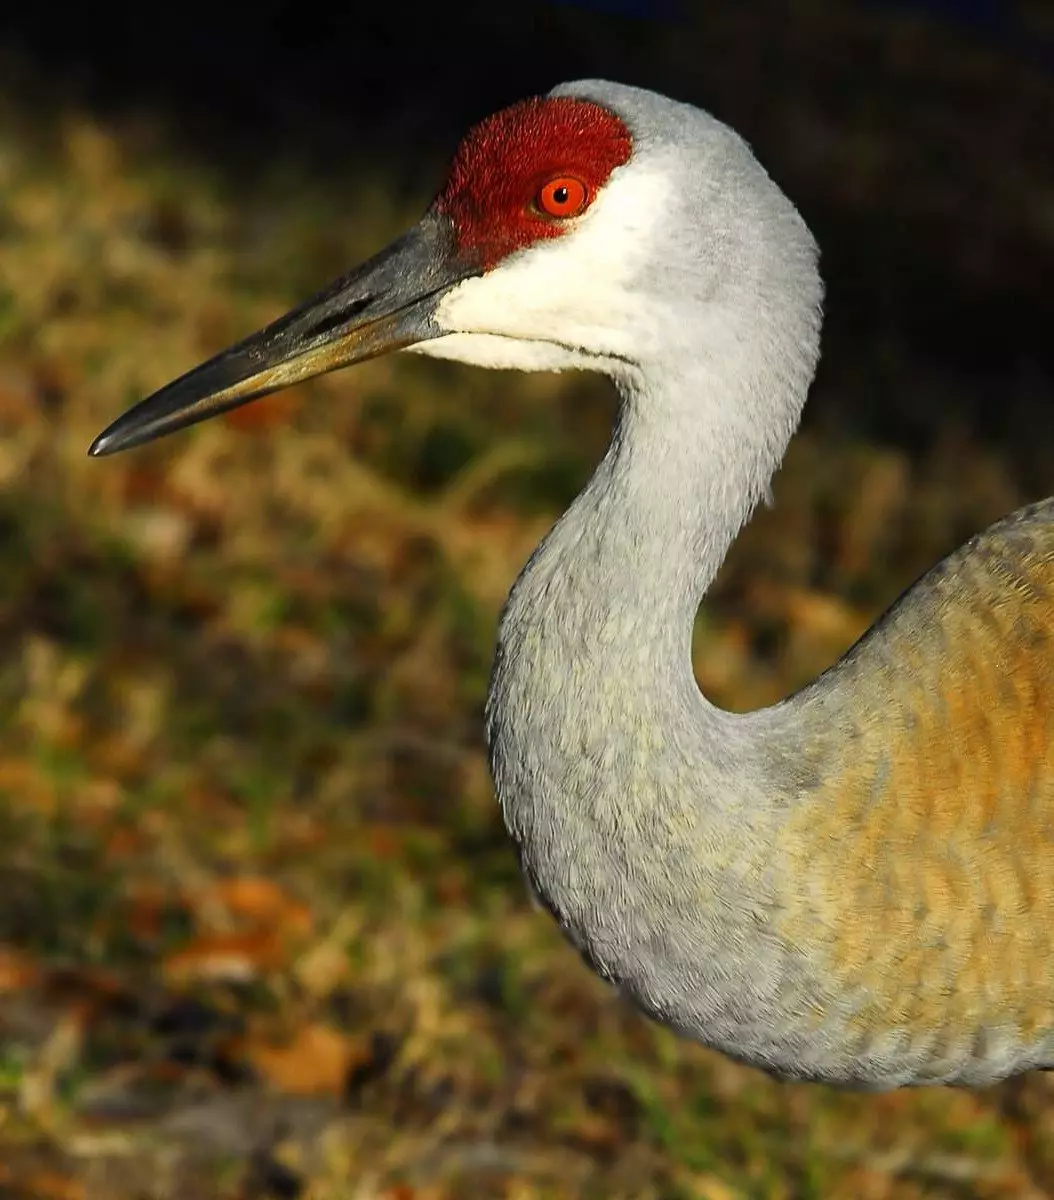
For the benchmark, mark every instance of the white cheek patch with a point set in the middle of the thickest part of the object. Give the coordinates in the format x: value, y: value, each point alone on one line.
x: 575, y: 291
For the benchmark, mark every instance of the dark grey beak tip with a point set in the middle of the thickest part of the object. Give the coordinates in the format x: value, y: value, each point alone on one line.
x: 103, y: 445
x: 118, y: 436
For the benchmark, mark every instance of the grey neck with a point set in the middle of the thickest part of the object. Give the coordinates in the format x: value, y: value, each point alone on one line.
x: 617, y: 582
x: 610, y: 596
x: 629, y: 796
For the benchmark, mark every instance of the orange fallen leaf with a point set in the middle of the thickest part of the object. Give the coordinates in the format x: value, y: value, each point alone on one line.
x: 450, y: 887
x: 142, y: 483
x: 257, y: 900
x: 98, y: 800
x: 207, y: 802
x: 146, y: 901
x: 17, y: 970
x: 385, y: 841
x: 117, y: 755
x: 49, y: 1185
x: 230, y: 957
x: 400, y: 1191
x: 317, y: 1059
x: 125, y: 842
x: 26, y: 785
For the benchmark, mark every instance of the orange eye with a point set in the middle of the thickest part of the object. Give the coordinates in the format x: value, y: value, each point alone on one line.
x: 563, y: 196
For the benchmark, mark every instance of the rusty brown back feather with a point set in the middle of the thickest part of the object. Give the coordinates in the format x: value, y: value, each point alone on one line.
x: 922, y: 859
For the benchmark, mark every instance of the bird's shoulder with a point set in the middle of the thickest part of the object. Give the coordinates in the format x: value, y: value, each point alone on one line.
x: 935, y: 729
x: 980, y: 619
x: 920, y: 851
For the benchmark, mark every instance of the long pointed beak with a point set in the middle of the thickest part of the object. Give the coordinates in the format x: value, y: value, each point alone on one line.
x: 386, y: 304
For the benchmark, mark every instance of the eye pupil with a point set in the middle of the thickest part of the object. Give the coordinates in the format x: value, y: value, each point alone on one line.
x: 562, y: 197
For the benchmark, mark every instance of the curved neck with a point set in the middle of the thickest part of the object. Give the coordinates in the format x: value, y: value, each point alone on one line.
x: 595, y: 724
x: 628, y: 564
x: 628, y: 795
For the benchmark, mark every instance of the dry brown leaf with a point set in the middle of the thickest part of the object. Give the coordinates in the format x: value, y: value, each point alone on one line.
x: 598, y: 1132
x: 142, y: 483
x: 316, y: 1060
x: 231, y: 957
x: 58, y: 1055
x: 709, y: 1187
x: 97, y: 802
x: 866, y: 1183
x: 23, y: 783
x: 257, y: 900
x: 116, y: 755
x: 125, y: 842
x: 400, y: 1191
x: 450, y: 887
x: 145, y: 900
x: 385, y: 841
x: 17, y: 970
x: 44, y: 1185
x: 323, y: 968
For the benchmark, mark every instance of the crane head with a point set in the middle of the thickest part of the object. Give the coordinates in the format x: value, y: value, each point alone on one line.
x: 561, y: 238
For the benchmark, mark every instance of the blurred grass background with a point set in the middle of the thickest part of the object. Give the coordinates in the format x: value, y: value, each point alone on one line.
x: 262, y: 934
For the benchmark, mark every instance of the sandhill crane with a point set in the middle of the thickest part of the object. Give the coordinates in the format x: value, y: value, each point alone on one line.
x: 854, y: 885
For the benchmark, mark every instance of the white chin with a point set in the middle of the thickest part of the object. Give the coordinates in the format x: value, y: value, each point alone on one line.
x: 506, y: 353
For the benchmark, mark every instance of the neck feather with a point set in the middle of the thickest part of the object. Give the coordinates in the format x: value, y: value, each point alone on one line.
x: 627, y: 794
x: 596, y: 636
x: 631, y: 560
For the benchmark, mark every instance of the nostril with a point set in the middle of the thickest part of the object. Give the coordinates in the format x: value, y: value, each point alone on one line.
x: 337, y: 318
